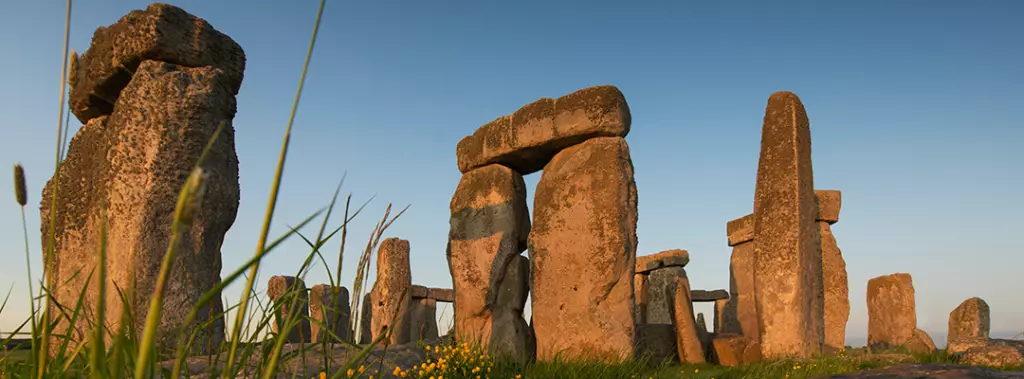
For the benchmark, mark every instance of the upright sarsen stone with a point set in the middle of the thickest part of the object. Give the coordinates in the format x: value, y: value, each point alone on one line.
x: 132, y: 164
x: 787, y: 245
x: 391, y: 294
x: 489, y: 228
x: 329, y: 305
x: 583, y: 251
x: 291, y: 304
x: 740, y: 313
x: 892, y: 315
x: 833, y: 268
x: 970, y: 320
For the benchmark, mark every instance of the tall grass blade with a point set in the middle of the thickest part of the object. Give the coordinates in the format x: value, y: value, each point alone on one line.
x: 98, y: 349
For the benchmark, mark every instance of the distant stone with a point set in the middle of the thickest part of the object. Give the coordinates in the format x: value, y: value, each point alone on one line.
x: 787, y: 245
x: 994, y: 355
x: 446, y: 295
x: 829, y: 203
x: 642, y: 297
x: 667, y: 258
x: 583, y: 251
x: 423, y: 320
x: 366, y: 320
x: 688, y: 342
x: 740, y: 311
x: 133, y: 164
x: 892, y: 317
x: 970, y: 319
x: 920, y: 342
x: 720, y: 312
x: 740, y: 230
x: 329, y: 306
x: 390, y: 293
x: 708, y: 296
x: 661, y: 294
x: 703, y: 335
x: 291, y: 302
x: 529, y: 138
x: 836, y: 283
x: 161, y: 32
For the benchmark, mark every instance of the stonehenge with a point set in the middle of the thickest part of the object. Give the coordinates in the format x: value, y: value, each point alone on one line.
x: 150, y: 91
x: 892, y: 317
x: 291, y: 307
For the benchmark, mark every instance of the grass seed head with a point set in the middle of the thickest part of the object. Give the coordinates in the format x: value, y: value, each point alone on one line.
x: 73, y: 69
x: 191, y: 197
x: 20, y: 192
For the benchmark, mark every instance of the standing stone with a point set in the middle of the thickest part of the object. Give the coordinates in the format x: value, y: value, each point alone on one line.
x: 740, y: 313
x: 511, y: 337
x: 391, y: 292
x: 132, y: 165
x: 720, y: 312
x: 657, y: 333
x: 291, y: 305
x: 688, y: 340
x: 583, y: 250
x: 489, y: 228
x: 423, y: 320
x: 833, y: 267
x: 366, y: 321
x: 641, y: 297
x: 329, y: 306
x: 892, y: 319
x: 787, y: 244
x: 730, y: 349
x: 969, y: 320
x: 161, y: 32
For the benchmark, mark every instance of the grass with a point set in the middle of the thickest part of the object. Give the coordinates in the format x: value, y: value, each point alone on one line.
x: 100, y: 352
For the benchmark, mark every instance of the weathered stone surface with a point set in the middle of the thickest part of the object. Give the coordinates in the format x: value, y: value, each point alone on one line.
x: 330, y: 307
x: 510, y: 337
x: 720, y: 312
x: 423, y: 320
x: 993, y: 356
x: 489, y: 228
x: 703, y: 335
x: 740, y: 315
x: 668, y: 258
x: 787, y: 244
x: 688, y: 343
x: 837, y: 291
x: 932, y: 371
x: 530, y: 137
x: 891, y: 311
x: 160, y: 32
x: 641, y: 298
x: 133, y: 164
x: 418, y: 291
x: 661, y: 294
x: 962, y: 344
x: 657, y: 342
x: 291, y: 302
x: 740, y: 230
x: 583, y: 250
x: 366, y: 320
x: 970, y: 319
x: 730, y: 349
x: 920, y: 342
x: 446, y: 295
x: 829, y: 203
x: 390, y: 294
x: 708, y: 296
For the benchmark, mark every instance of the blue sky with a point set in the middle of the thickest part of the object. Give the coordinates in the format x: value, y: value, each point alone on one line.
x: 914, y: 117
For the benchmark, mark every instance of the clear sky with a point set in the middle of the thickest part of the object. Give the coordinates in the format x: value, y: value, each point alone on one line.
x: 915, y: 117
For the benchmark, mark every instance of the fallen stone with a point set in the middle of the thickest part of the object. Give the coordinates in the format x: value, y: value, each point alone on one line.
x: 133, y: 163
x: 730, y: 349
x: 529, y: 138
x: 160, y: 32
x: 920, y: 342
x: 583, y: 250
x: 891, y: 311
x: 932, y: 371
x: 688, y: 343
x: 668, y: 258
x: 834, y: 279
x: 490, y: 224
x: 829, y: 203
x: 788, y: 266
x: 329, y: 306
x: 291, y: 303
x: 708, y: 296
x: 970, y: 319
x: 994, y: 355
x: 962, y: 344
x: 390, y: 293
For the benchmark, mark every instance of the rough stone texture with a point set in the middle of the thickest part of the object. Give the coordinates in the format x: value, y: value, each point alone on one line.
x: 160, y: 32
x: 641, y: 298
x: 668, y: 258
x: 527, y: 139
x: 787, y: 244
x: 994, y: 355
x: 394, y: 276
x: 740, y: 314
x: 740, y: 230
x: 708, y: 296
x: 829, y: 204
x: 969, y: 320
x: 891, y: 314
x: 730, y: 349
x: 330, y: 307
x: 423, y: 320
x: 511, y: 338
x: 583, y: 250
x: 133, y: 164
x: 931, y: 371
x: 418, y: 292
x: 837, y: 291
x: 962, y: 344
x: 291, y: 302
x: 446, y: 295
x: 490, y: 225
x: 688, y: 342
x: 661, y: 293
x: 366, y: 320
x: 657, y: 342
x: 920, y: 342
x: 720, y: 312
